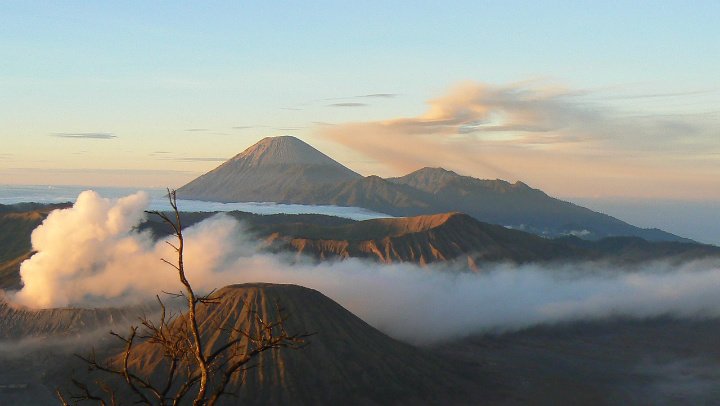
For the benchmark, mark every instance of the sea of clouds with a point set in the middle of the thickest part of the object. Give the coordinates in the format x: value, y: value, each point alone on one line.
x: 91, y: 253
x: 12, y: 194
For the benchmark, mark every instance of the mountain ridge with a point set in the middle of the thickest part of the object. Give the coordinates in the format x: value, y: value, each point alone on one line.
x: 287, y: 170
x: 454, y: 237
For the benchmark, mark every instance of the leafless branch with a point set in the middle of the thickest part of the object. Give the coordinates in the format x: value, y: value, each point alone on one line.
x: 190, y: 367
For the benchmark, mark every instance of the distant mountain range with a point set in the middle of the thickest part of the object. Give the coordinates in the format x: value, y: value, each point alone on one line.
x: 445, y: 237
x: 287, y: 170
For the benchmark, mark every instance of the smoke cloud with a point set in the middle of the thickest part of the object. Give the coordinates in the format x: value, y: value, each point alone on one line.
x: 91, y: 253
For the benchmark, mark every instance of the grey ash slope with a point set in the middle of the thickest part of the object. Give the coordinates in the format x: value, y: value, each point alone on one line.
x: 265, y: 171
x: 19, y: 322
x: 347, y: 362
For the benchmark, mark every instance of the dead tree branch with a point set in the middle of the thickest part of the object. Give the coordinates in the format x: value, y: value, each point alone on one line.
x: 192, y: 371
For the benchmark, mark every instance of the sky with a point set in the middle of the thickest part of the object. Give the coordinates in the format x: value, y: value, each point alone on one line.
x: 584, y: 100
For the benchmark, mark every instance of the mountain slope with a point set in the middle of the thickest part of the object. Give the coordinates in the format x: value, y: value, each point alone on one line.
x: 457, y: 237
x: 18, y: 322
x: 287, y: 170
x: 346, y: 362
x: 16, y: 227
x: 266, y: 170
x: 519, y: 206
x: 372, y: 192
x: 423, y: 239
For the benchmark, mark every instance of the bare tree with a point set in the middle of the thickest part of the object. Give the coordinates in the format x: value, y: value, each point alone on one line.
x: 193, y: 370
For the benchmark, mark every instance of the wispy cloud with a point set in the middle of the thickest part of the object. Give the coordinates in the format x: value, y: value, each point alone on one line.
x: 662, y: 95
x: 555, y: 137
x: 364, y: 96
x: 197, y: 129
x: 197, y: 159
x: 242, y: 127
x: 168, y: 156
x: 100, y: 171
x: 348, y: 105
x: 96, y: 136
x: 379, y: 95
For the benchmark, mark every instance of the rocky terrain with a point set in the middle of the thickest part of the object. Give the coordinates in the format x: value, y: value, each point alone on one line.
x: 423, y: 240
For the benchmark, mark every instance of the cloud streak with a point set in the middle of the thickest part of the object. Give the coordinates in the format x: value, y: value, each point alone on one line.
x: 379, y: 96
x: 196, y: 159
x: 94, y: 136
x: 91, y: 254
x: 348, y: 105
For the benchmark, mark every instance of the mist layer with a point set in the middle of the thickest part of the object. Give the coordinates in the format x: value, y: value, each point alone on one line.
x: 91, y: 254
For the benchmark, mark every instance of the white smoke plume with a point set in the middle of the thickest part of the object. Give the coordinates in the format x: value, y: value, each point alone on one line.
x: 91, y: 254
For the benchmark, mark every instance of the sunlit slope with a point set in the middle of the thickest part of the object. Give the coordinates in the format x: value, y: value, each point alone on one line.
x: 424, y: 239
x: 265, y: 171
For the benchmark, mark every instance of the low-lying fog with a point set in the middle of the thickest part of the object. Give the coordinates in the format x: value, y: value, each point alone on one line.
x: 91, y: 254
x: 158, y: 201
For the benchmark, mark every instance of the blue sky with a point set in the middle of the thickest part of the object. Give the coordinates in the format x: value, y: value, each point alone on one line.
x: 580, y: 99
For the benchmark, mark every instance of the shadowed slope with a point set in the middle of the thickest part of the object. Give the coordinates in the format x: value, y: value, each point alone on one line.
x: 520, y: 206
x: 372, y: 192
x: 347, y: 361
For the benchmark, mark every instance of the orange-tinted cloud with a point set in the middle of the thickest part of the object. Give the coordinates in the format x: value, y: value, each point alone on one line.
x: 552, y: 137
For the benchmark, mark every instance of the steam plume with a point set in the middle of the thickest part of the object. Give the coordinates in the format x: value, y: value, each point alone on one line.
x: 91, y: 254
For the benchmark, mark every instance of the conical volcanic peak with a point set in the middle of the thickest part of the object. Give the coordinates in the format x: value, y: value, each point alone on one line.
x: 283, y: 150
x: 344, y: 362
x: 265, y: 171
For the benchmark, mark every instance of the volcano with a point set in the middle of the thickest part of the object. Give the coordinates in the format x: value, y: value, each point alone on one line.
x: 346, y: 360
x: 265, y: 171
x: 289, y: 171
